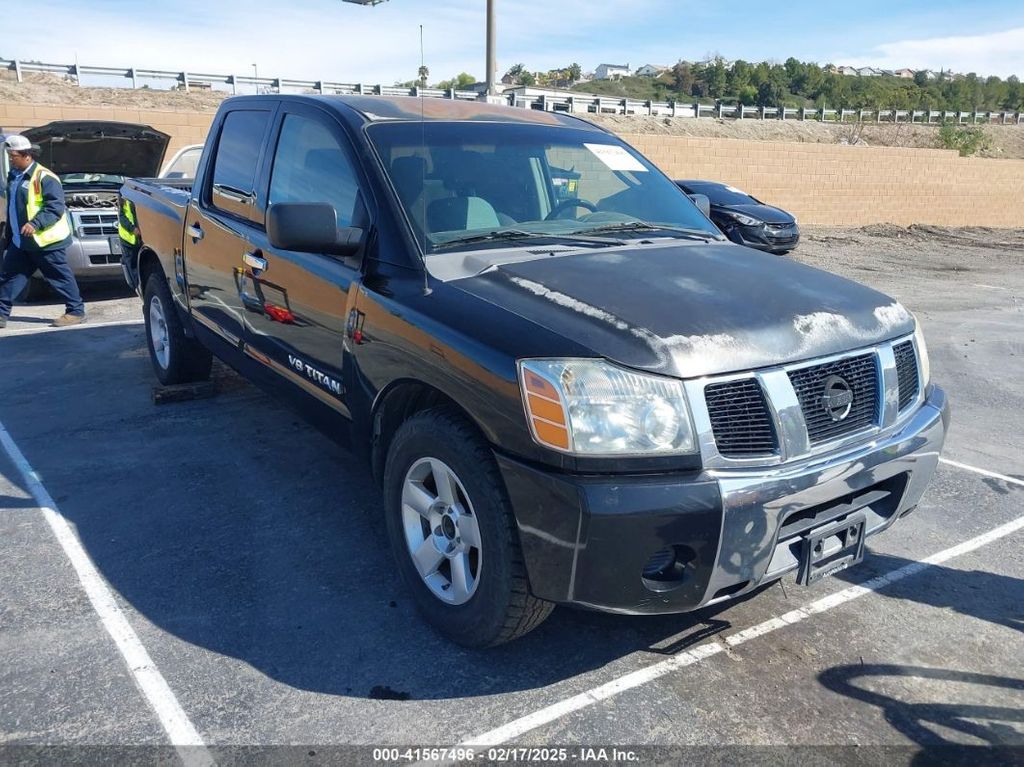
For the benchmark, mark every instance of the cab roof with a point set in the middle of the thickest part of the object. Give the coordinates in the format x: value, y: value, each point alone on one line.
x: 410, y: 108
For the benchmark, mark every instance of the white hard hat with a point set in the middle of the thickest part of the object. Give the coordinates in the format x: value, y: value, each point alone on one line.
x: 17, y: 143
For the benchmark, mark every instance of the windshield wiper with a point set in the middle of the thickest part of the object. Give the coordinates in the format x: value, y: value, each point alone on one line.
x: 519, y: 234
x: 643, y: 226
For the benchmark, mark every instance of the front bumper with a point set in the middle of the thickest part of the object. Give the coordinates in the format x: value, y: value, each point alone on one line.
x: 765, y: 237
x: 95, y: 258
x: 587, y: 539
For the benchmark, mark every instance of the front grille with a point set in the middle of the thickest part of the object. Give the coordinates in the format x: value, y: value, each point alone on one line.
x: 906, y: 372
x: 739, y: 419
x: 97, y: 224
x: 102, y: 259
x: 861, y: 373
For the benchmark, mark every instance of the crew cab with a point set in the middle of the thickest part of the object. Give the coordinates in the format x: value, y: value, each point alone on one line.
x: 571, y: 388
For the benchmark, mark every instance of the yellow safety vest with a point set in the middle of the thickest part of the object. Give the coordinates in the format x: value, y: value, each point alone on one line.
x: 128, y: 235
x: 56, y: 232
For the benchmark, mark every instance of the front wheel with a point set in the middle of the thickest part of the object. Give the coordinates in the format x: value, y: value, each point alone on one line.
x: 453, y: 535
x: 176, y: 358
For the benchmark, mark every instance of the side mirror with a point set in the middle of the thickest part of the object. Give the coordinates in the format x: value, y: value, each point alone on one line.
x: 311, y: 227
x: 702, y: 202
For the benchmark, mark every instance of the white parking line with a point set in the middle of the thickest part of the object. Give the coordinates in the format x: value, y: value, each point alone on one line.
x: 175, y: 721
x: 518, y: 727
x: 983, y: 472
x: 84, y: 326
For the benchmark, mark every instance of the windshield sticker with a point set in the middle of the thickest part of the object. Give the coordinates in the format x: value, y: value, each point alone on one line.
x: 616, y: 158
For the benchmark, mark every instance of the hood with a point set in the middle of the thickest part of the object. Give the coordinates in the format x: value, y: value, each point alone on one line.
x: 92, y: 146
x: 766, y: 213
x: 691, y: 310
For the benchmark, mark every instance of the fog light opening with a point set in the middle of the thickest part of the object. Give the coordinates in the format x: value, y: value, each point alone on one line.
x: 669, y: 567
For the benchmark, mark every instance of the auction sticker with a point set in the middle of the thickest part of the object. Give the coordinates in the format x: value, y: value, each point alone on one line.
x: 615, y: 157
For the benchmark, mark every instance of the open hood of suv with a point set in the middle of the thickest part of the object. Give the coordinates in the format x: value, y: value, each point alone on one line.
x: 96, y: 146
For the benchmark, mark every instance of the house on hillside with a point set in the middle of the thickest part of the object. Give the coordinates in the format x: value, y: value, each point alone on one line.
x: 651, y: 70
x: 611, y: 71
x: 906, y: 74
x: 848, y: 71
x: 869, y: 72
x: 930, y: 75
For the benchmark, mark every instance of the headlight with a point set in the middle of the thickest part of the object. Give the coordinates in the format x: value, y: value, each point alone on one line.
x: 591, y: 407
x: 922, y: 355
x: 740, y: 218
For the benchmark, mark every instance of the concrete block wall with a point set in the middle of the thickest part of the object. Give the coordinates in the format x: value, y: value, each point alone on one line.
x: 839, y: 185
x: 184, y: 128
x: 824, y: 184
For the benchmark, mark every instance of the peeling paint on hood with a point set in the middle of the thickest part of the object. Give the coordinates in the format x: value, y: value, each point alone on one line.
x: 691, y: 310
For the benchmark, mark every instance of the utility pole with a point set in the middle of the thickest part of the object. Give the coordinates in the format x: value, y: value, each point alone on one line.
x: 491, y: 50
x: 491, y: 41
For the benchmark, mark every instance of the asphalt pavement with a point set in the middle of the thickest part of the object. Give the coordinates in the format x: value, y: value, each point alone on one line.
x: 247, y: 554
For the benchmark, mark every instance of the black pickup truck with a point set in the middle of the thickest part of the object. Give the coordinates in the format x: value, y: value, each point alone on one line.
x: 570, y: 387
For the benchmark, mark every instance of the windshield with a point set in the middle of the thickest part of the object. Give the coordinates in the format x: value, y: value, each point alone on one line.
x: 184, y: 164
x: 460, y: 183
x: 89, y: 179
x: 720, y: 194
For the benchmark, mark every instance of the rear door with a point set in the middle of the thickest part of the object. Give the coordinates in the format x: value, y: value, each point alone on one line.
x: 221, y: 218
x: 298, y: 303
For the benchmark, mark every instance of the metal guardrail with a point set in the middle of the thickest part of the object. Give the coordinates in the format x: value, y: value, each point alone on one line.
x: 572, y: 104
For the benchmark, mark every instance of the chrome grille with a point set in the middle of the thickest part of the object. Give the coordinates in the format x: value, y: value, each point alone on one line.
x: 861, y: 373
x: 96, y: 224
x: 906, y: 372
x: 740, y: 419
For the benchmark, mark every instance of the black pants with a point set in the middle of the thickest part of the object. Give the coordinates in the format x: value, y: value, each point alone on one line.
x: 20, y: 265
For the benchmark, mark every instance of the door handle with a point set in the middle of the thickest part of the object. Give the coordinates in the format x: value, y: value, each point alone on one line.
x: 255, y: 262
x: 195, y: 232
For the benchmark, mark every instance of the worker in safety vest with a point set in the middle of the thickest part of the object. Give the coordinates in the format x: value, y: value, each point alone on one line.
x: 127, y: 229
x: 37, y: 235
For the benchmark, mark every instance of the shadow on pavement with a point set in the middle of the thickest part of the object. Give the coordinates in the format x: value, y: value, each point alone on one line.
x: 984, y: 595
x: 923, y: 722
x: 236, y: 527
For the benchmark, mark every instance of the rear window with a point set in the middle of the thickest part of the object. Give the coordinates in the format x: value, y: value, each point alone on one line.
x: 238, y: 150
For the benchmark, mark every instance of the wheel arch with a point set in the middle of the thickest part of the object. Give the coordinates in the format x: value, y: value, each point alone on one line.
x: 395, y: 404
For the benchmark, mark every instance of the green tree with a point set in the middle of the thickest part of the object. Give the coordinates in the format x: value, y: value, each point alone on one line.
x: 739, y: 77
x: 716, y: 79
x: 527, y: 78
x: 575, y: 72
x: 683, y: 79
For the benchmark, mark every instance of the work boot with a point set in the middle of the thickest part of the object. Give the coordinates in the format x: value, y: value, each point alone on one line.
x: 68, y: 319
x: 3, y: 323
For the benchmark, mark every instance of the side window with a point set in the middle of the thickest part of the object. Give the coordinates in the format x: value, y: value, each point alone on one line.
x: 311, y: 166
x: 234, y: 171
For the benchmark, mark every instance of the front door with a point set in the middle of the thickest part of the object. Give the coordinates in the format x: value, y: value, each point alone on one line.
x: 298, y: 303
x: 220, y: 220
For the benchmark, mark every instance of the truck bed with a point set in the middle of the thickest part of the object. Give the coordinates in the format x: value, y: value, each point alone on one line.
x: 160, y: 208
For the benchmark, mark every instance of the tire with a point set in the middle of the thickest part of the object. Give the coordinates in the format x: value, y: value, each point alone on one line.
x: 497, y: 607
x: 176, y: 358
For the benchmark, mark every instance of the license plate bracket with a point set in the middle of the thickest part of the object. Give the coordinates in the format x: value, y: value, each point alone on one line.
x: 831, y: 548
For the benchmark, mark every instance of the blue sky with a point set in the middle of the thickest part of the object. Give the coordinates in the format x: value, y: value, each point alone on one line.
x: 333, y: 40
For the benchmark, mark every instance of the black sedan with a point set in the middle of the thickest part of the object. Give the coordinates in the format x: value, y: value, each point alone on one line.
x: 745, y: 219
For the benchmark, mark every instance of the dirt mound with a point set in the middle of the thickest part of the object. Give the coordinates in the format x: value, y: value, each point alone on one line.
x: 1005, y: 141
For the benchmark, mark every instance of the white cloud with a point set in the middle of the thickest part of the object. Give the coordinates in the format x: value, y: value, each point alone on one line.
x: 996, y: 53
